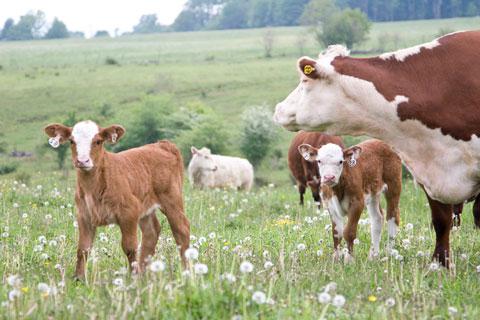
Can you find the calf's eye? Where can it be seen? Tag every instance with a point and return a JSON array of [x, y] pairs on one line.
[[340, 162], [99, 142]]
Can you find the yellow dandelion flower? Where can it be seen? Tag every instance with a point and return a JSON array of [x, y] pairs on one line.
[[372, 298], [25, 289]]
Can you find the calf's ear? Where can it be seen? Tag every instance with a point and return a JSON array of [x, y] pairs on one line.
[[308, 67], [58, 134], [113, 133], [352, 152], [308, 152], [194, 150]]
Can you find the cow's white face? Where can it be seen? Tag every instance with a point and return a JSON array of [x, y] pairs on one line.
[[83, 134], [318, 99], [202, 159], [330, 159]]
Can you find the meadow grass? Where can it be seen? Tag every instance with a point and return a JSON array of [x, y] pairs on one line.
[[38, 245]]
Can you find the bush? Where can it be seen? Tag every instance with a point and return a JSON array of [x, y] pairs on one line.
[[7, 167], [348, 27], [208, 132], [257, 134], [111, 61], [155, 118]]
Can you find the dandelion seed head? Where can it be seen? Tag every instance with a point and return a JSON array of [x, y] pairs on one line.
[[259, 297]]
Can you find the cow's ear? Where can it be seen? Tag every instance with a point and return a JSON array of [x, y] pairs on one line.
[[351, 155], [113, 133], [308, 152], [58, 134], [193, 150], [308, 67]]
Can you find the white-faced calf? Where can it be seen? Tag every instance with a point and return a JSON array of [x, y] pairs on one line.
[[354, 178], [123, 188]]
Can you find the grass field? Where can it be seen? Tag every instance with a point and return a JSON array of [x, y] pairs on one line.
[[42, 81], [38, 243]]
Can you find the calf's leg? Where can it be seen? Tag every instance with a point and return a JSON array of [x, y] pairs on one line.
[[172, 207], [442, 223], [376, 224], [350, 232], [150, 232], [85, 242], [128, 227]]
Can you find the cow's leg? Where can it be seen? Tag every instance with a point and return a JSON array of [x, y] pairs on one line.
[[301, 191], [442, 223], [128, 227], [172, 207], [85, 241], [476, 211], [350, 232], [376, 224], [150, 232], [457, 214]]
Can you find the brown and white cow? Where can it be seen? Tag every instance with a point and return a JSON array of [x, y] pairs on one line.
[[123, 188], [424, 101], [306, 172], [354, 178]]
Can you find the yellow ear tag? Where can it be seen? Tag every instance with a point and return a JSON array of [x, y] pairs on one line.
[[308, 69]]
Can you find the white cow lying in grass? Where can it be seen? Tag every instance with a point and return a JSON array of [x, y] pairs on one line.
[[207, 170]]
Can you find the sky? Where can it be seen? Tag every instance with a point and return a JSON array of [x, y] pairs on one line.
[[92, 15]]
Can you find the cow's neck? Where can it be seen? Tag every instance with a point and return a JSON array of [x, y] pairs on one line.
[[94, 181]]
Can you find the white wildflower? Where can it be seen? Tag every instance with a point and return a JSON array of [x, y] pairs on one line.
[[246, 267], [157, 266], [390, 302], [434, 266], [338, 301], [259, 297], [118, 282], [200, 268], [267, 265], [324, 297], [191, 254]]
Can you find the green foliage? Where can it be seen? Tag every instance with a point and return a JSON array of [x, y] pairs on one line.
[[257, 134], [234, 15], [58, 30], [148, 24], [208, 131], [30, 26], [102, 34], [155, 118], [7, 166], [7, 26], [349, 27], [443, 31], [109, 61], [316, 12], [288, 12]]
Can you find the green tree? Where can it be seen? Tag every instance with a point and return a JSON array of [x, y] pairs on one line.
[[234, 15], [148, 24], [349, 27], [58, 30], [316, 12], [7, 26], [257, 134], [288, 12], [261, 13]]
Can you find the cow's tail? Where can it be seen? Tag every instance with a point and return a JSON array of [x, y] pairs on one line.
[[172, 148]]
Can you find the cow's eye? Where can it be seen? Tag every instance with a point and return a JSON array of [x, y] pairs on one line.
[[72, 142], [319, 162], [340, 162], [99, 142]]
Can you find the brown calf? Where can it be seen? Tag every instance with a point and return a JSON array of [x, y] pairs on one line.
[[124, 188], [305, 172], [356, 177]]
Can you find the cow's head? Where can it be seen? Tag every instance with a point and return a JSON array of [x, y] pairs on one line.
[[330, 159], [202, 159], [319, 97], [86, 140]]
